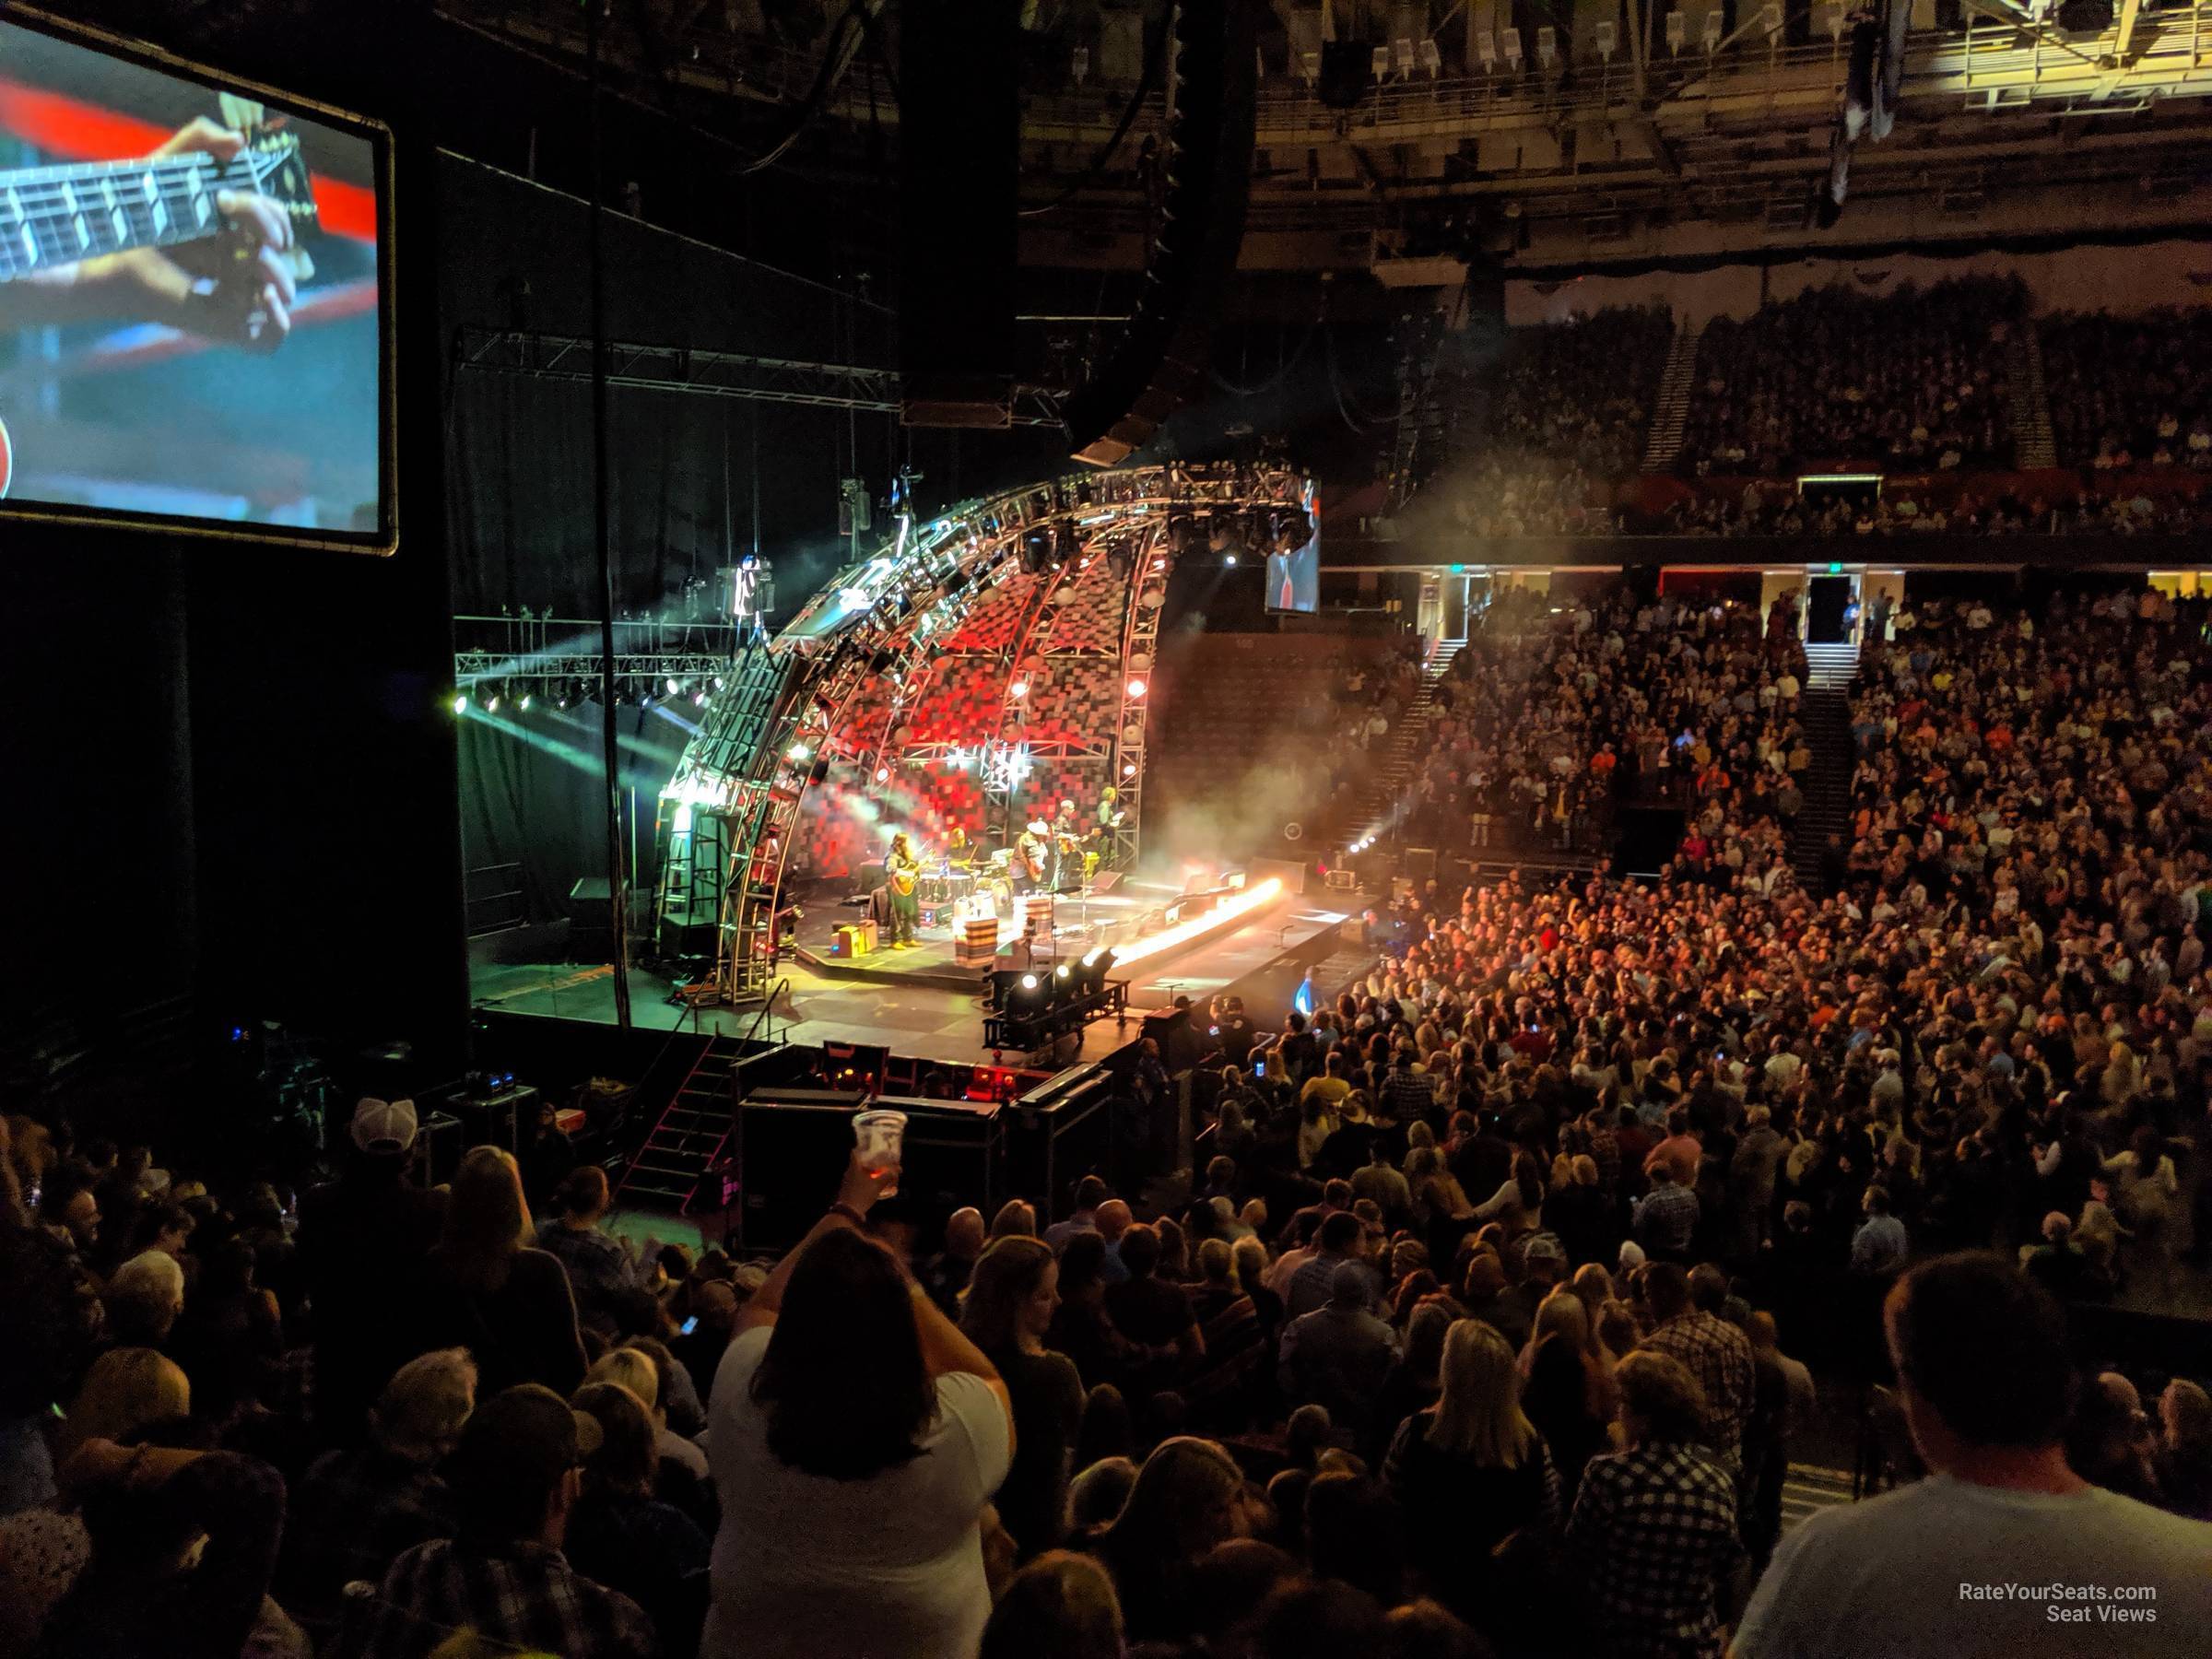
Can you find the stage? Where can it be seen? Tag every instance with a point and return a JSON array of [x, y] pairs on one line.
[[917, 1002]]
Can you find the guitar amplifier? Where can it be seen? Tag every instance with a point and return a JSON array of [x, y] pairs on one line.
[[497, 1118], [437, 1150], [852, 939]]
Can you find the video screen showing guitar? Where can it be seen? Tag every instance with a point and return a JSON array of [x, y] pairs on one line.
[[189, 322]]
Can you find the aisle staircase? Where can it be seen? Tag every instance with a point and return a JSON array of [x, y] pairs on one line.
[[1386, 791], [1826, 710], [2035, 444], [1671, 412]]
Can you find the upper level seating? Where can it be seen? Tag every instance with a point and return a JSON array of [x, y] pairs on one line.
[[1912, 379], [2130, 391], [1543, 428]]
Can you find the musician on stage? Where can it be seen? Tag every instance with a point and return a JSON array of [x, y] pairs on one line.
[[902, 870], [1110, 816], [1033, 857]]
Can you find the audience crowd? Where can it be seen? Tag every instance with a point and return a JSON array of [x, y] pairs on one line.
[[1553, 715], [2129, 392], [1500, 1295], [1911, 379], [1553, 422]]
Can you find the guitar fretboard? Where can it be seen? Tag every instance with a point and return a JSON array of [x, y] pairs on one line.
[[55, 216]]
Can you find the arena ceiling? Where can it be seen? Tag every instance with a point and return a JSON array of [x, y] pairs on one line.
[[1619, 139]]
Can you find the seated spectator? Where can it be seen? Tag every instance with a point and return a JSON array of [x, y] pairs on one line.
[[357, 1512], [2001, 1494], [146, 1298], [621, 1536], [865, 1434], [602, 1275], [1062, 1604], [515, 1483]]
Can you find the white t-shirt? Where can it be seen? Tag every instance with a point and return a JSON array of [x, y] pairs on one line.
[[891, 1567], [1952, 1571]]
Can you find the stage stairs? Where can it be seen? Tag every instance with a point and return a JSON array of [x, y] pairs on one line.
[[694, 1131], [1670, 413]]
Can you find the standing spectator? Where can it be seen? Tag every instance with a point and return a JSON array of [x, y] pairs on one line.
[[1337, 1356], [1654, 1526], [1471, 1472], [1011, 1302], [1061, 1604], [1341, 1242], [864, 1434], [363, 1240], [1149, 1312], [1188, 1498], [1884, 1576], [515, 1482], [1880, 1246], [1715, 1353], [487, 1290], [1666, 1216]]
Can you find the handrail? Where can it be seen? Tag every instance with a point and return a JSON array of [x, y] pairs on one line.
[[781, 988]]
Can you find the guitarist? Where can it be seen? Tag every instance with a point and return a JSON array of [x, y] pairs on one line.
[[902, 870], [236, 290]]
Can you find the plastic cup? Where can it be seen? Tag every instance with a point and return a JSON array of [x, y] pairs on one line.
[[880, 1135]]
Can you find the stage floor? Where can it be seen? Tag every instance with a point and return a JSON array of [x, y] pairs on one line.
[[917, 1003]]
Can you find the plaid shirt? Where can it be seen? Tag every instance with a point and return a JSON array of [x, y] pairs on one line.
[[351, 1518], [1719, 1357], [522, 1595], [1604, 1150], [1654, 1530], [1666, 1218], [1410, 1095]]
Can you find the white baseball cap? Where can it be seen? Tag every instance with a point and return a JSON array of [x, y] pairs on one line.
[[383, 1125]]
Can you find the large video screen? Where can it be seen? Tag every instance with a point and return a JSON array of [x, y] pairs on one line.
[[191, 314], [1294, 573]]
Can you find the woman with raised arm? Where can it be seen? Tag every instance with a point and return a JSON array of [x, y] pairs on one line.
[[857, 1435]]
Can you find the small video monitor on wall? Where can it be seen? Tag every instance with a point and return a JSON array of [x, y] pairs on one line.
[[1294, 561], [194, 304]]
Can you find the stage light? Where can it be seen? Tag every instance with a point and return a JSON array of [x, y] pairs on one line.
[[1137, 688], [798, 752], [675, 685], [1018, 689], [491, 703], [883, 774], [525, 701], [719, 682], [699, 698], [460, 702], [1229, 558]]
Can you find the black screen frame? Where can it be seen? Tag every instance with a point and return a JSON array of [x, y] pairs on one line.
[[383, 540]]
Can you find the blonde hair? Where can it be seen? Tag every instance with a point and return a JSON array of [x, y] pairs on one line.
[[487, 1218], [1479, 1414], [422, 1408], [127, 1389], [629, 1368], [1217, 1262], [1005, 1275], [1252, 1261]]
